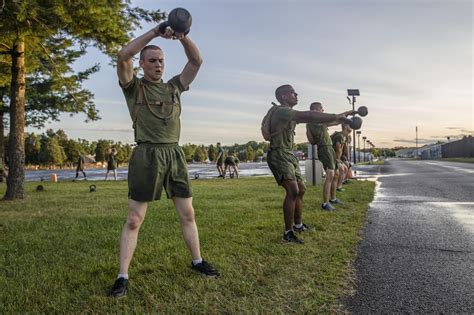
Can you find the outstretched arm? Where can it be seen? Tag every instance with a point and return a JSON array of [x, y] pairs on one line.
[[194, 61], [318, 117]]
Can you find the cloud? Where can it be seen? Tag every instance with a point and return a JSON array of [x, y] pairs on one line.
[[420, 141]]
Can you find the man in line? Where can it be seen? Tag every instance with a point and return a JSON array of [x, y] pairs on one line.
[[339, 140], [281, 160], [346, 158], [158, 162], [318, 135], [220, 160]]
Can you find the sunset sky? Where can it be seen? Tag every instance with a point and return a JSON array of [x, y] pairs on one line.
[[411, 61]]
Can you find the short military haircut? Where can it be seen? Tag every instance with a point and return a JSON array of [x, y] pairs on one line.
[[280, 91], [315, 105], [149, 47]]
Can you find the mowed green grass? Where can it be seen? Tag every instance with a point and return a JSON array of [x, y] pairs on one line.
[[59, 250]]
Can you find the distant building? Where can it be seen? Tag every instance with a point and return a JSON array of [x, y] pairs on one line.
[[459, 148]]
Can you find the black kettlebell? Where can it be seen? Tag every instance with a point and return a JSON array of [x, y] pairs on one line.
[[356, 123], [92, 188], [362, 111], [39, 188], [179, 20]]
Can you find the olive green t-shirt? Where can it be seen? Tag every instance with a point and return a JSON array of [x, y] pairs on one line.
[[220, 154], [282, 119], [338, 137], [162, 123], [318, 134]]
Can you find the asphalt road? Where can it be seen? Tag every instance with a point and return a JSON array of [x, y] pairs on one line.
[[417, 248]]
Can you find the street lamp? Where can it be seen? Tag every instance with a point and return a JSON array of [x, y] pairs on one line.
[[353, 93], [365, 139], [358, 143]]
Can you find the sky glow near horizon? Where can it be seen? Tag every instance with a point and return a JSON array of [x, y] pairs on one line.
[[411, 61]]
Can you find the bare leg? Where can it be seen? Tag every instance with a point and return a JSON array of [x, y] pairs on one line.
[[334, 185], [115, 174], [185, 210], [299, 203], [327, 185], [289, 203], [128, 242], [236, 171]]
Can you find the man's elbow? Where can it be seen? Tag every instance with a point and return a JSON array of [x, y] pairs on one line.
[[123, 57], [197, 61]]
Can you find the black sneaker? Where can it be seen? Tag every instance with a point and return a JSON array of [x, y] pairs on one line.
[[120, 288], [290, 237], [336, 202], [304, 228], [205, 269], [328, 207]]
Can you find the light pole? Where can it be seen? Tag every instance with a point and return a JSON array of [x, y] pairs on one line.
[[365, 139], [358, 143], [353, 93]]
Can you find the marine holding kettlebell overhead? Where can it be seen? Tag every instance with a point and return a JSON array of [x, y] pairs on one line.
[[158, 162]]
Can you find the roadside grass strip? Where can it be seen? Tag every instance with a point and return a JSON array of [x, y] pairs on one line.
[[59, 250]]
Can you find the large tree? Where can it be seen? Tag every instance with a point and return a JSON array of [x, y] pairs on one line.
[[43, 37]]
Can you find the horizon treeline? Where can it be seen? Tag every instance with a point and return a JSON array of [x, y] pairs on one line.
[[54, 148]]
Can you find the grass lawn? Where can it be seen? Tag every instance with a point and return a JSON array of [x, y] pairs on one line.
[[60, 250]]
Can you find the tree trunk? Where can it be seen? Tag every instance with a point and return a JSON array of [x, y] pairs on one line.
[[2, 136], [16, 152]]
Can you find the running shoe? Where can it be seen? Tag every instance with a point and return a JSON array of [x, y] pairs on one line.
[[120, 288], [290, 237], [205, 269]]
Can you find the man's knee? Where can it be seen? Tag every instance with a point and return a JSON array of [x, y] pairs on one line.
[[134, 221], [301, 190]]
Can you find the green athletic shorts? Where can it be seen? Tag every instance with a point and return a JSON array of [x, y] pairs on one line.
[[153, 167], [284, 165], [327, 156]]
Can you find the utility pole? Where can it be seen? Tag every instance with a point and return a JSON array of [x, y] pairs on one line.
[[353, 93], [416, 141]]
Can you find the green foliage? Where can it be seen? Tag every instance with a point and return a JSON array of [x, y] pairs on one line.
[[200, 154], [101, 150], [60, 251], [188, 150], [212, 151]]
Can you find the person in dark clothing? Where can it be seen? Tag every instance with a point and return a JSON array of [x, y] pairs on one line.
[[80, 167], [111, 164]]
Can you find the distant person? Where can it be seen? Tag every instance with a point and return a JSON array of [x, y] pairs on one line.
[[158, 162], [318, 135], [283, 164], [346, 158], [220, 160], [339, 140], [80, 167], [232, 161], [111, 163]]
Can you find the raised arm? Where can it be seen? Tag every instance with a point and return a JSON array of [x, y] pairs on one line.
[[125, 56], [194, 61]]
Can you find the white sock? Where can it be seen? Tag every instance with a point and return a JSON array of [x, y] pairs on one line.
[[333, 199], [123, 275], [286, 232], [299, 225], [197, 261]]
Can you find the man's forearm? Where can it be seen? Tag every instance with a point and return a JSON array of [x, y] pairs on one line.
[[137, 44], [192, 51]]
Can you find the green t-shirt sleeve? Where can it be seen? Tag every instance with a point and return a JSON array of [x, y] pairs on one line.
[[175, 81], [130, 91]]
